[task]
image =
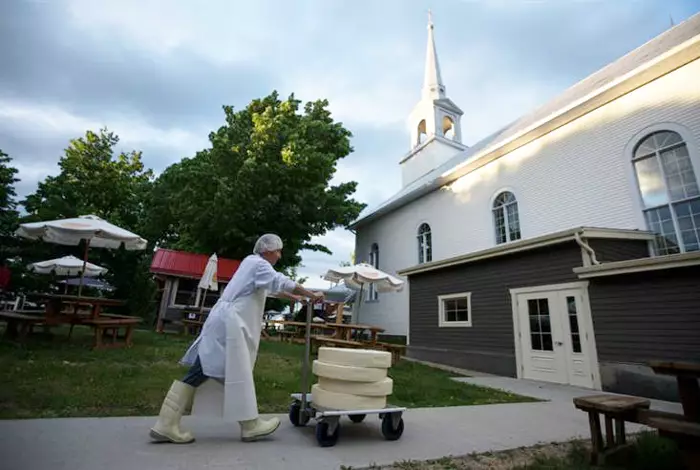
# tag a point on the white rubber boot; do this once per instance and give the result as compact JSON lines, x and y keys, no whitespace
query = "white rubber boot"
{"x":167,"y":428}
{"x":258,"y":428}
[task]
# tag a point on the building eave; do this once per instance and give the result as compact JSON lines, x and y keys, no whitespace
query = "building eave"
{"x":530,"y":244}
{"x":680,"y":260}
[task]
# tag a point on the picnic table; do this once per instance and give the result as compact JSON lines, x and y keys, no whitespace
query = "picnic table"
{"x":687,"y":375}
{"x":66,"y":309}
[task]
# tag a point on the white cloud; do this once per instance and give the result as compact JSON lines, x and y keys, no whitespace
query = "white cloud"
{"x":51,"y":121}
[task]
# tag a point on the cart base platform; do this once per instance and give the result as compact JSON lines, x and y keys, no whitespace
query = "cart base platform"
{"x":302,"y":410}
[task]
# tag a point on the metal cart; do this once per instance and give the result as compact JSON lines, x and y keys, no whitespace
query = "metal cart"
{"x":302,"y":409}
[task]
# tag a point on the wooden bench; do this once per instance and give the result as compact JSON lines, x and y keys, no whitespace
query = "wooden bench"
{"x":396,"y":350}
{"x":110,"y":326}
{"x":319,"y":340}
{"x":20,"y":323}
{"x":614,"y":408}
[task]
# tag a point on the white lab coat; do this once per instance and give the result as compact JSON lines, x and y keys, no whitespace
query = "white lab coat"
{"x":228,"y":344}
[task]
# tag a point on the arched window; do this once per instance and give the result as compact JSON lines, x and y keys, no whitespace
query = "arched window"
{"x":505,"y":217}
{"x":425,"y":244}
{"x":669,"y":190}
{"x":422,"y":132}
{"x":448,"y":127}
{"x":374,"y":261}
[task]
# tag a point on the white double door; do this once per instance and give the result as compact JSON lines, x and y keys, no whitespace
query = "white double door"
{"x":554,"y":330}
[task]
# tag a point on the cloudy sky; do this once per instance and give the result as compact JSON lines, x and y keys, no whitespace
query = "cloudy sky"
{"x":156,"y":72}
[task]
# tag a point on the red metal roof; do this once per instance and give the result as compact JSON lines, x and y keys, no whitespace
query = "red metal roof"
{"x":184,"y":264}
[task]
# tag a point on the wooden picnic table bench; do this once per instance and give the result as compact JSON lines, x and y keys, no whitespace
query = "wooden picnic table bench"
{"x":320,"y":340}
{"x":614,"y":408}
{"x":110,"y":326}
{"x":396,"y":350}
{"x":20,"y":322}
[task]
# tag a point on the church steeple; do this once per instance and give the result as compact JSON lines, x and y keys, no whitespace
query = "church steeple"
{"x":435,"y":115}
{"x":433,"y":88}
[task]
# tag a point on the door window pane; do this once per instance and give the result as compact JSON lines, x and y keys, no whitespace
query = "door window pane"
{"x":540,"y":327}
{"x":573,"y":323}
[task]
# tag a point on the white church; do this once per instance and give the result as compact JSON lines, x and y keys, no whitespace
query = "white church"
{"x":531,"y":252}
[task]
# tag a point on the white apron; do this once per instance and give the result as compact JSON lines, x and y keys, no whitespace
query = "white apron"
{"x":228,"y":348}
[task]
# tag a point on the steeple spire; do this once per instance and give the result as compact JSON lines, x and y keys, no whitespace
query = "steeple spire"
{"x":433,"y":87}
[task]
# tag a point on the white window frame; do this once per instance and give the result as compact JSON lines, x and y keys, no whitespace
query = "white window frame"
{"x":692,"y":146}
{"x":372,"y":294}
{"x":671,"y":203}
{"x":423,"y":238}
{"x":442,"y":323}
{"x":503,"y":208}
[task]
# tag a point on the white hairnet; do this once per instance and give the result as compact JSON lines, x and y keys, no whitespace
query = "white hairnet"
{"x":267,"y":242}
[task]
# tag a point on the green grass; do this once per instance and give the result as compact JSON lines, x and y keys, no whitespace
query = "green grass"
{"x":648,"y":452}
{"x":56,"y":377}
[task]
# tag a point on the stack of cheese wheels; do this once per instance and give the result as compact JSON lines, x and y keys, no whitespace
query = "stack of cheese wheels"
{"x":351,"y":379}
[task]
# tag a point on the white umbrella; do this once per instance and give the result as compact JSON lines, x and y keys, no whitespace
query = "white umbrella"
{"x":362,"y":273}
{"x":67,"y":266}
{"x":98,"y":232}
{"x":95,"y":231}
{"x":209,"y":278}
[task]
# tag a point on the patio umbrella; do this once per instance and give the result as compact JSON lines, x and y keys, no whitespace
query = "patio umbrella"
{"x":95,"y":231}
{"x":67,"y":266}
{"x":362,"y":274}
{"x":209,"y":279}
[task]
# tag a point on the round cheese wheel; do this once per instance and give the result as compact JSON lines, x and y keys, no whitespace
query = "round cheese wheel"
{"x":370,"y":389}
{"x":348,"y":373}
{"x":355,"y":357}
{"x":345,"y":401}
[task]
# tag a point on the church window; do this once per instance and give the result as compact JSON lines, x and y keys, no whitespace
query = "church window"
{"x":425,"y":244}
{"x":669,"y":190}
{"x":373,"y":261}
{"x":506,"y":218}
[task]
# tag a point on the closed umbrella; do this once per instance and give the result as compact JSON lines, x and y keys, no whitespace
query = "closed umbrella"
{"x":209,"y":279}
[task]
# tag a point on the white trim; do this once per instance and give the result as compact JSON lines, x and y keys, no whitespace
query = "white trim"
{"x":654,"y":263}
{"x":528,"y":244}
{"x":585,"y":316}
{"x":550,"y":288}
{"x":442,"y":323}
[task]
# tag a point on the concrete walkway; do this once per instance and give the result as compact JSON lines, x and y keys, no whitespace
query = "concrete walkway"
{"x":119,"y":443}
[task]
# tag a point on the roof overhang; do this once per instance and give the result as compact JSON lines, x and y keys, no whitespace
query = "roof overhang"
{"x":680,"y":260}
{"x":530,"y":244}
{"x":661,"y":65}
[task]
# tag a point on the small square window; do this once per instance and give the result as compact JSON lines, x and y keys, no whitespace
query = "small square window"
{"x":455,"y":310}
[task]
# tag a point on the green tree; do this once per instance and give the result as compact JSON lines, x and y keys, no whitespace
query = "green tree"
{"x":93,"y":179}
{"x":8,"y":208}
{"x":268,"y":169}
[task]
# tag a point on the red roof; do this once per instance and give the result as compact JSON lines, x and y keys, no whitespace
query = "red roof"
{"x":184,"y":264}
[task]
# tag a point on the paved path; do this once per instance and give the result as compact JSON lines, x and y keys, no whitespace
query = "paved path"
{"x":120,"y":443}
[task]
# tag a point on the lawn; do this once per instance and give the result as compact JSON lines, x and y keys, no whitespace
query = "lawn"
{"x":647,"y":452}
{"x":56,"y":377}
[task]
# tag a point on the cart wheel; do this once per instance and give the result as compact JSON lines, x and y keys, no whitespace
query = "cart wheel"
{"x":391,"y":434}
{"x":357,"y":418}
{"x":294,"y":417}
{"x":322,"y":436}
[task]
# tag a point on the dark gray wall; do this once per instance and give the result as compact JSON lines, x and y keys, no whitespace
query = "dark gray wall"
{"x":488,"y":345}
{"x":642,"y":317}
{"x":610,"y":250}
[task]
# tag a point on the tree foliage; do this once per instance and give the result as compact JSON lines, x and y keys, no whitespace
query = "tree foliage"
{"x":269,"y":169}
{"x":8,"y":207}
{"x":94,"y":179}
